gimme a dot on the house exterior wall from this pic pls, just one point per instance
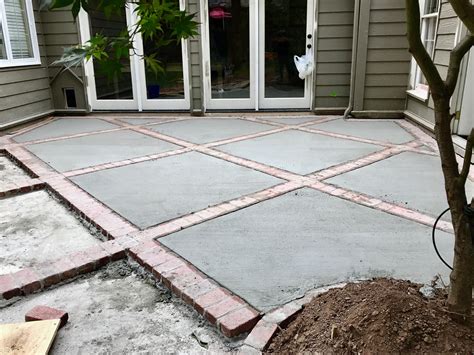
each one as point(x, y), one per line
point(61, 31)
point(195, 61)
point(24, 90)
point(335, 20)
point(383, 61)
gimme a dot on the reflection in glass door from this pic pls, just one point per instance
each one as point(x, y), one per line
point(166, 90)
point(286, 30)
point(232, 53)
point(105, 93)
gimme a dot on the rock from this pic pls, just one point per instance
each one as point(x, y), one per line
point(427, 339)
point(427, 291)
point(334, 332)
point(202, 339)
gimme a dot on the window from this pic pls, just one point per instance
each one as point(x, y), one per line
point(18, 43)
point(429, 23)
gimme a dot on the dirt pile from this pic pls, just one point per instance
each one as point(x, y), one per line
point(377, 316)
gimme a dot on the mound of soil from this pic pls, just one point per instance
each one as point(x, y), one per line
point(377, 316)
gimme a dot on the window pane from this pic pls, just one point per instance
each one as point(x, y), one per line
point(431, 6)
point(3, 52)
point(18, 29)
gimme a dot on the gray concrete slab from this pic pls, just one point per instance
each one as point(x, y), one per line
point(10, 173)
point(272, 252)
point(35, 228)
point(156, 191)
point(290, 120)
point(121, 311)
point(146, 120)
point(409, 179)
point(381, 131)
point(299, 152)
point(81, 152)
point(65, 127)
point(206, 130)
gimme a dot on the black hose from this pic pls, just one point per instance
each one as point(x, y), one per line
point(434, 239)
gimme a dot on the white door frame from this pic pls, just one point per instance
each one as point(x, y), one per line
point(228, 103)
point(162, 104)
point(140, 100)
point(283, 102)
point(257, 64)
point(100, 104)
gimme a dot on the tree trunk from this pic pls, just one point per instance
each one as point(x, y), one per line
point(460, 296)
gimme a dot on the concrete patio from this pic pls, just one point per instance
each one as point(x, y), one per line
point(264, 207)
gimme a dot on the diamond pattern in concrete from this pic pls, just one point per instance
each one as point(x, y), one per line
point(206, 130)
point(75, 153)
point(65, 127)
point(299, 152)
point(264, 238)
point(156, 191)
point(384, 131)
point(275, 251)
point(408, 179)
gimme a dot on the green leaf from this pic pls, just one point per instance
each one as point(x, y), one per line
point(72, 57)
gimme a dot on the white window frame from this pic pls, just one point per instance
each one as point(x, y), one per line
point(10, 61)
point(419, 90)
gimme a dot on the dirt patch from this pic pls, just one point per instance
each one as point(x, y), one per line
point(121, 310)
point(377, 316)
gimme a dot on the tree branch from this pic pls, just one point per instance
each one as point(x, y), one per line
point(455, 61)
point(418, 50)
point(467, 158)
point(465, 11)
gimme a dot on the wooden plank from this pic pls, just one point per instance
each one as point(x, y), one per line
point(28, 338)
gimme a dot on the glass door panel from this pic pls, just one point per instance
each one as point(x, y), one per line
point(232, 63)
point(285, 36)
point(170, 83)
point(119, 87)
point(229, 46)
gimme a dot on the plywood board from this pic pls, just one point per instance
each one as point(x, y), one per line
point(28, 338)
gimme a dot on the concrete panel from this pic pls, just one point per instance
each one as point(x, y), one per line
point(409, 179)
point(273, 252)
point(65, 127)
point(299, 152)
point(205, 130)
point(76, 153)
point(156, 191)
point(381, 131)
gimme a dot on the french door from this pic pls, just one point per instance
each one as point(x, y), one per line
point(249, 53)
point(137, 88)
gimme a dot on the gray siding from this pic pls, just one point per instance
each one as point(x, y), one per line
point(388, 59)
point(195, 62)
point(61, 31)
point(24, 91)
point(334, 53)
point(445, 38)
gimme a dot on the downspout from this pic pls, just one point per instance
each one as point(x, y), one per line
point(355, 44)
